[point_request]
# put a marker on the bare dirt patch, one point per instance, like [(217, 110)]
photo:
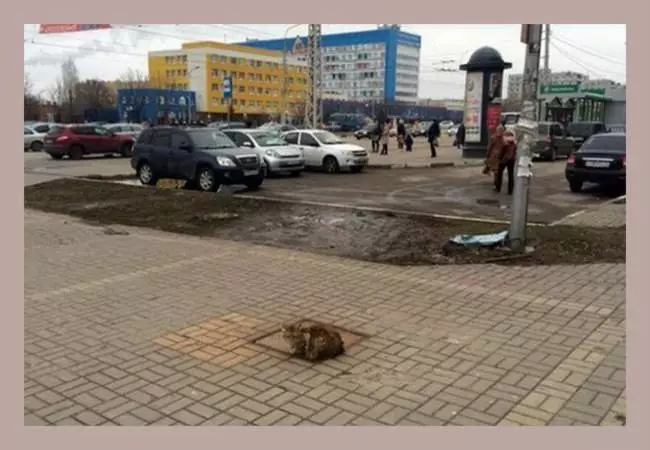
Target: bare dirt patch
[(399, 239)]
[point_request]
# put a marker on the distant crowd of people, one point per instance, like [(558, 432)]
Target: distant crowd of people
[(381, 133)]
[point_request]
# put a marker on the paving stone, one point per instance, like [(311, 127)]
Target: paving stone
[(516, 371)]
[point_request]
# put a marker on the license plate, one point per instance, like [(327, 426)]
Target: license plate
[(248, 173), (597, 164)]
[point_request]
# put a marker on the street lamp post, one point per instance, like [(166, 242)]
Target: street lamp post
[(283, 90), (189, 97)]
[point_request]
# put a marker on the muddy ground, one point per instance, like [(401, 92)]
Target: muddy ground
[(367, 236)]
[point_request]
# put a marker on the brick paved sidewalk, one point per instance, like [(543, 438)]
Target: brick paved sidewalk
[(153, 328)]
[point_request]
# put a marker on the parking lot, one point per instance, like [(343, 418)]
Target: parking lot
[(453, 191)]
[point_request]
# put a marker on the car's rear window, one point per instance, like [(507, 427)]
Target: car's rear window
[(605, 143)]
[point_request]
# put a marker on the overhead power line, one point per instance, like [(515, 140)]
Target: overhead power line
[(589, 70), (588, 52)]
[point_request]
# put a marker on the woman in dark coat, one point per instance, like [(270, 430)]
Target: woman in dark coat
[(460, 135), (433, 134)]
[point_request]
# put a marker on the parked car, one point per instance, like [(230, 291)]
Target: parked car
[(422, 129), (227, 125), (551, 141), (127, 129), (277, 127), (77, 141), (364, 132), (324, 150), (277, 155), (616, 128), (206, 158), (601, 160), (451, 131), (33, 140), (581, 131), (41, 127)]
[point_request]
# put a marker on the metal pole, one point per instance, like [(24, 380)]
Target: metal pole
[(547, 42), (283, 90), (531, 36)]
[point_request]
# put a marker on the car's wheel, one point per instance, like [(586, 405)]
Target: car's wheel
[(146, 174), (575, 185), (206, 179), (76, 152), (254, 182), (36, 146), (331, 165), (56, 156), (126, 150)]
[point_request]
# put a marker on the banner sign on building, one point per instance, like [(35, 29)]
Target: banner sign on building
[(52, 28), (227, 87)]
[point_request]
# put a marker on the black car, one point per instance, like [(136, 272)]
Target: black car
[(600, 160), (581, 131), (206, 158)]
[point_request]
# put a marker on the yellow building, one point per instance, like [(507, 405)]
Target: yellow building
[(256, 77)]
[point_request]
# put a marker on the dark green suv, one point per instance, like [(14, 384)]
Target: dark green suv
[(204, 157)]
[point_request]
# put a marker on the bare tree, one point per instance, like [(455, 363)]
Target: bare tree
[(132, 79), (32, 100), (64, 89), (93, 94)]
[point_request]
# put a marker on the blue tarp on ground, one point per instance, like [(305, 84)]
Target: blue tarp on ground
[(482, 240)]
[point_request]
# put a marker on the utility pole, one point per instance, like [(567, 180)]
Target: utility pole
[(531, 36), (314, 104), (547, 42)]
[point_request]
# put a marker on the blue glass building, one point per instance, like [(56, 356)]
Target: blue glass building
[(381, 65), (154, 105)]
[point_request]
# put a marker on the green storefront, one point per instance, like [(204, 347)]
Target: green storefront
[(572, 103)]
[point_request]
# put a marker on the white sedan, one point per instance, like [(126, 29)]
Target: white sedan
[(325, 150), (33, 139)]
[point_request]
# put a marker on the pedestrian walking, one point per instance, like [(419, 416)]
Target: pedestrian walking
[(502, 151), (460, 136), (401, 134), (433, 134), (408, 140), (385, 137), (375, 136)]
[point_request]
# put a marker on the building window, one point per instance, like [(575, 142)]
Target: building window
[(215, 73), (233, 60), (241, 75), (184, 58), (213, 59), (242, 102), (215, 87), (242, 89)]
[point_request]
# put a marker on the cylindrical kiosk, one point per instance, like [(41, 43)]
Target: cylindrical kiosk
[(483, 91)]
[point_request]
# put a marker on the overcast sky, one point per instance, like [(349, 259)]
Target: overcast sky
[(598, 50)]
